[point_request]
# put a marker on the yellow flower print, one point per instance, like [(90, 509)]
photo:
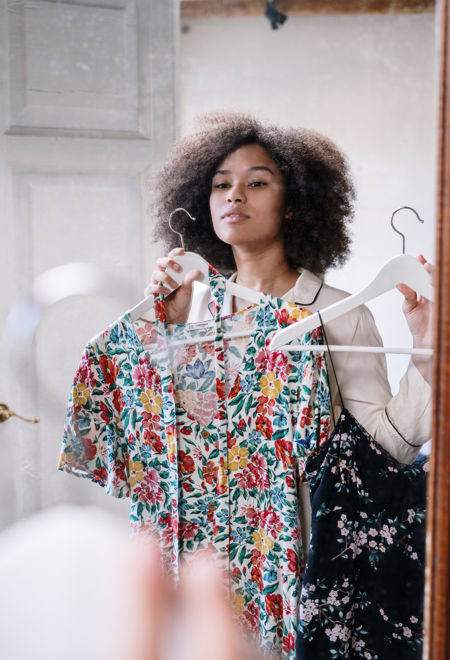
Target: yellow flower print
[(136, 472), (271, 386), (66, 460), (237, 457), (80, 394), (297, 312), (152, 402), (238, 603), (187, 399), (263, 541), (171, 440)]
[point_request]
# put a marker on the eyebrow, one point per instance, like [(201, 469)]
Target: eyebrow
[(250, 169)]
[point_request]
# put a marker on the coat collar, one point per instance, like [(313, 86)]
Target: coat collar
[(304, 292)]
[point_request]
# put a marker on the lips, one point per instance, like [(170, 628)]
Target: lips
[(234, 216)]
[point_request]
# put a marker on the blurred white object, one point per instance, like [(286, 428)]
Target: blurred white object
[(61, 594)]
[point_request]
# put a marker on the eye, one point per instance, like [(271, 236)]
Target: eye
[(220, 185), (257, 184)]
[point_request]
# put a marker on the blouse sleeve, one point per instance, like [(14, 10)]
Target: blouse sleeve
[(91, 445), (400, 423)]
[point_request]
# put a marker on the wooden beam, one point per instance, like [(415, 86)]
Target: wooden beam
[(437, 590), (226, 8)]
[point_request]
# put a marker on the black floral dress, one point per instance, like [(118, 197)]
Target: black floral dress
[(362, 594)]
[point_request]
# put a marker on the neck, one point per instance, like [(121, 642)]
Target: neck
[(265, 270)]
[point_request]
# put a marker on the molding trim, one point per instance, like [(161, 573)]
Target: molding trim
[(228, 8)]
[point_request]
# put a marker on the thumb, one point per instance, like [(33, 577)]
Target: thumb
[(410, 296)]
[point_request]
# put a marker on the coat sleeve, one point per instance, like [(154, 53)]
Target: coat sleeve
[(400, 423)]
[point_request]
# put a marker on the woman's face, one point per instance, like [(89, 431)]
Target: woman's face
[(247, 198)]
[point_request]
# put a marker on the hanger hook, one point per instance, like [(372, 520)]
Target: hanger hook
[(397, 230), (169, 220)]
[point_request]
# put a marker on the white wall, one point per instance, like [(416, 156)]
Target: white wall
[(366, 81)]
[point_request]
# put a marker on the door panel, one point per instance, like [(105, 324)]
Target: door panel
[(86, 115)]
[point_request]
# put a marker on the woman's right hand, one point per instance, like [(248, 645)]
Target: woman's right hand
[(177, 298)]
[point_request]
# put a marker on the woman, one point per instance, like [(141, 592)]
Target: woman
[(272, 206)]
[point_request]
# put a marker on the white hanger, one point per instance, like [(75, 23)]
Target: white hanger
[(191, 261), (402, 269)]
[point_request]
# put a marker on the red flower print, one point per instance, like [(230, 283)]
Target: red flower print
[(207, 347), (100, 475), (118, 400), (288, 643), (246, 480), (256, 576), (185, 430), (274, 605), (252, 516), (120, 470), (283, 317), (264, 425), (306, 416), (160, 310), (261, 360), (185, 463), (265, 405), (293, 561), (257, 558), (251, 615), (236, 573), (153, 440), (220, 388), (289, 481), (145, 376), (188, 530), (236, 388), (283, 451), (105, 412), (258, 467), (272, 523), (210, 472), (109, 369), (90, 450), (241, 425), (149, 489)]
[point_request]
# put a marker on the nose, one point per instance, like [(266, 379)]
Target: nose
[(236, 194)]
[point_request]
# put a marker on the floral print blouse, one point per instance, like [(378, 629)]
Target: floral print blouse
[(207, 435)]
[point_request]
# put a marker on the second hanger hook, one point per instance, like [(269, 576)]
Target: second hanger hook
[(169, 220), (410, 208)]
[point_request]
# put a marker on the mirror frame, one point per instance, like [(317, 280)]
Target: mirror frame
[(437, 584)]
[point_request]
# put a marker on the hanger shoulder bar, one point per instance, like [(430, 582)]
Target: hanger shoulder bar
[(400, 269)]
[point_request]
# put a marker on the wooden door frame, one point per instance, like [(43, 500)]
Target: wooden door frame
[(437, 590)]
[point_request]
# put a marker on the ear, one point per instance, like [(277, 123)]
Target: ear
[(288, 214)]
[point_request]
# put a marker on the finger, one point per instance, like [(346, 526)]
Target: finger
[(411, 299), (150, 594), (163, 277), (191, 276), (153, 289), (163, 263), (207, 615), (429, 267), (176, 252)]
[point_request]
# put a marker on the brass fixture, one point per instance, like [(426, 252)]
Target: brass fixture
[(6, 413)]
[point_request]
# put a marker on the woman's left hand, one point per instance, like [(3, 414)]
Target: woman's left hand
[(418, 312)]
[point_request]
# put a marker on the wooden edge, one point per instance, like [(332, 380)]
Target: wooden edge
[(228, 8), (437, 589)]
